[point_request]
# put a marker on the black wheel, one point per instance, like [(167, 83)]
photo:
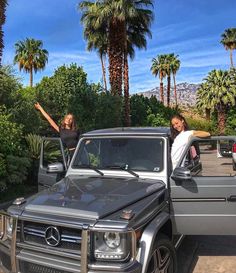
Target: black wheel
[(163, 257)]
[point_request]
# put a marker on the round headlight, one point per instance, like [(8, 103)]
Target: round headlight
[(112, 239)]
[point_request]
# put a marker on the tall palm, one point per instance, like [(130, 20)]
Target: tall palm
[(95, 34), (218, 92), (98, 41), (159, 68), (115, 14), (229, 42), (175, 65), (3, 5), (30, 56), (167, 64), (136, 31)]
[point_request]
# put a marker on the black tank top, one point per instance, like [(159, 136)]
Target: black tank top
[(69, 137)]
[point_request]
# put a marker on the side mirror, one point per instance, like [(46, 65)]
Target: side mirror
[(55, 168), (181, 174)]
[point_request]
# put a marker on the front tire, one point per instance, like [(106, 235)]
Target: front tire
[(163, 257)]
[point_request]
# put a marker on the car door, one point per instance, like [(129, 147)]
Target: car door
[(203, 191), (51, 151)]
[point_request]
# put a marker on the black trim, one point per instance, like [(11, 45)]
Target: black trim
[(215, 199)]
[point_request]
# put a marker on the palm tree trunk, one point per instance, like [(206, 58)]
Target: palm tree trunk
[(221, 120), (115, 54), (175, 91), (168, 90), (103, 72), (208, 114), (31, 76), (126, 90), (231, 58), (161, 90)]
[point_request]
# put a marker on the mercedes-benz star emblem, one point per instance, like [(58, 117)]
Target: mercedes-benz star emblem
[(52, 236)]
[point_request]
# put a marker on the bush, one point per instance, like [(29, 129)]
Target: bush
[(9, 84), (108, 111), (200, 124), (11, 134), (13, 165), (23, 112), (17, 169), (34, 143)]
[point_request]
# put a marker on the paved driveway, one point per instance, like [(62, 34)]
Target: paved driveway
[(207, 254)]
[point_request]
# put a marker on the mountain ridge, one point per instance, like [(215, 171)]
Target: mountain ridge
[(186, 93)]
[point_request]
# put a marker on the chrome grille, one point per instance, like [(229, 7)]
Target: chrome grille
[(70, 239), (6, 260), (26, 267)]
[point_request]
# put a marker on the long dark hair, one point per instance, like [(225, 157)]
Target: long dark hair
[(173, 131), (73, 123)]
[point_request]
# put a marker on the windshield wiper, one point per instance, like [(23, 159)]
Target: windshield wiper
[(91, 168), (115, 167)]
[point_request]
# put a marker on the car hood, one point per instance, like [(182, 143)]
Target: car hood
[(91, 197)]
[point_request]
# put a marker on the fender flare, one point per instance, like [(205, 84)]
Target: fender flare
[(148, 238)]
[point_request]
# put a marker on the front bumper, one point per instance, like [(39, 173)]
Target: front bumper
[(18, 257), (33, 262)]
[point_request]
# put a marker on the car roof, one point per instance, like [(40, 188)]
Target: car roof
[(123, 131)]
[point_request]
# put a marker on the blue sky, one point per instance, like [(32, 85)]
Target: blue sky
[(190, 28)]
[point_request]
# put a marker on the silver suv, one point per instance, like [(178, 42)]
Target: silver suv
[(118, 206)]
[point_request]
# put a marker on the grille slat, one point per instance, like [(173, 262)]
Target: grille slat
[(26, 267)]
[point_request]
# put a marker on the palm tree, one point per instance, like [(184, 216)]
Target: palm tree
[(3, 5), (30, 56), (174, 66), (167, 64), (218, 92), (136, 31), (114, 15), (229, 42), (159, 68), (98, 41), (123, 25), (96, 36), (203, 104)]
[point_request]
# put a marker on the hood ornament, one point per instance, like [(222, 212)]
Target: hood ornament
[(19, 201), (127, 214)]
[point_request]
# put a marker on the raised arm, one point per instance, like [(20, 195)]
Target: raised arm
[(201, 134), (46, 115)]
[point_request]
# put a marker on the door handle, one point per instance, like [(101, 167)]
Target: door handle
[(232, 198)]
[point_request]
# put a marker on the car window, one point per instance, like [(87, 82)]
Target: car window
[(51, 152), (210, 158), (138, 154)]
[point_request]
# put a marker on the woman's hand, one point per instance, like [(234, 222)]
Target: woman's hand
[(37, 106)]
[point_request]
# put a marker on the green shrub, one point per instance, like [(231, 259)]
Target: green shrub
[(11, 134), (17, 169), (2, 166), (156, 120), (34, 143), (200, 124)]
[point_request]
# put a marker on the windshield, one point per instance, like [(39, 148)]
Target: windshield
[(128, 153)]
